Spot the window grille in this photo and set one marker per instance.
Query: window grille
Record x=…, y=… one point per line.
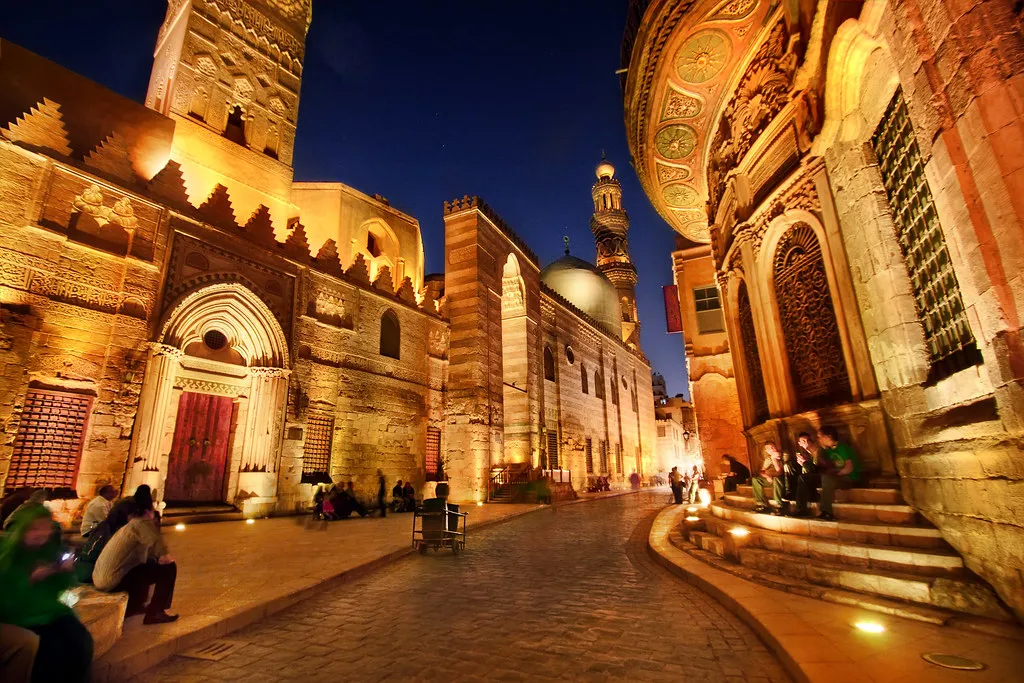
x=589, y=450
x=619, y=464
x=553, y=449
x=604, y=457
x=940, y=308
x=433, y=458
x=751, y=354
x=709, y=310
x=316, y=452
x=48, y=445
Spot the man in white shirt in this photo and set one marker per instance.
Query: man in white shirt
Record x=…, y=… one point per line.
x=98, y=509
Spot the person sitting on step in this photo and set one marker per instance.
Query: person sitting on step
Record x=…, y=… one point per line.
x=771, y=475
x=843, y=469
x=409, y=496
x=735, y=473
x=397, y=497
x=808, y=472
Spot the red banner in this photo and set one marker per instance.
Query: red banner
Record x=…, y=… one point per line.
x=673, y=318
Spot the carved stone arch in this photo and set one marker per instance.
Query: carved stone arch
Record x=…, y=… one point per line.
x=802, y=295
x=206, y=279
x=513, y=290
x=236, y=312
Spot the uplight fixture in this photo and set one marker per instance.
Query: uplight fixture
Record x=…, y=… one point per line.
x=179, y=527
x=870, y=627
x=739, y=531
x=692, y=509
x=479, y=503
x=250, y=521
x=693, y=518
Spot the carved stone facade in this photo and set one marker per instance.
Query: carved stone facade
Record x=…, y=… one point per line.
x=211, y=323
x=864, y=216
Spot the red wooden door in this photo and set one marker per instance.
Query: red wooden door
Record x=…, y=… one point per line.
x=199, y=454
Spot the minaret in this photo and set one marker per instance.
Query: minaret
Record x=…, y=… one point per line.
x=610, y=225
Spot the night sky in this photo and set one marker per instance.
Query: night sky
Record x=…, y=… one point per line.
x=424, y=101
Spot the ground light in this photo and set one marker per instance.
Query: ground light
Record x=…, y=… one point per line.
x=250, y=521
x=693, y=518
x=479, y=503
x=179, y=527
x=692, y=509
x=870, y=627
x=739, y=532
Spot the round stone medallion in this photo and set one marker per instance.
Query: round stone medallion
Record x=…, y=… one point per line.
x=679, y=195
x=675, y=142
x=703, y=56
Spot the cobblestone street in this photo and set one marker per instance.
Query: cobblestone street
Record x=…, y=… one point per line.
x=562, y=594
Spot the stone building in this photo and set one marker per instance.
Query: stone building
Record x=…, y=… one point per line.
x=678, y=443
x=845, y=180
x=177, y=311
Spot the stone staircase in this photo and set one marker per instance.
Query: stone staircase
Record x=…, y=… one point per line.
x=879, y=554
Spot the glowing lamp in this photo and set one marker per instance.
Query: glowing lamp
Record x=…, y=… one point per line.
x=693, y=518
x=479, y=503
x=739, y=532
x=250, y=521
x=179, y=527
x=870, y=627
x=692, y=509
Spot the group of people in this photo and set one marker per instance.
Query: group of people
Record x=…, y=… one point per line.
x=685, y=488
x=793, y=479
x=41, y=639
x=337, y=502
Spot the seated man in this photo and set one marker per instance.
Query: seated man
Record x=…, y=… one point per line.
x=409, y=495
x=353, y=501
x=134, y=559
x=398, y=497
x=98, y=508
x=771, y=474
x=843, y=469
x=735, y=472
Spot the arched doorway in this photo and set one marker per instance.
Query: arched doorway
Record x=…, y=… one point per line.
x=514, y=364
x=813, y=345
x=211, y=413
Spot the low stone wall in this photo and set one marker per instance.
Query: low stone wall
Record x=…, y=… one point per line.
x=103, y=615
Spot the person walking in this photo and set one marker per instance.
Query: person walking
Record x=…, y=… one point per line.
x=675, y=480
x=382, y=488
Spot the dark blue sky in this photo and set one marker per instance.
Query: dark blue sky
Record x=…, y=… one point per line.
x=425, y=101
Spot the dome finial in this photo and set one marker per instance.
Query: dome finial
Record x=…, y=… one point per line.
x=565, y=238
x=605, y=169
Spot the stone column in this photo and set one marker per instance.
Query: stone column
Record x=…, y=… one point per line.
x=261, y=440
x=151, y=418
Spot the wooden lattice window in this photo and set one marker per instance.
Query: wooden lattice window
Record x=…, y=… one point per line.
x=813, y=346
x=603, y=445
x=940, y=308
x=589, y=451
x=553, y=449
x=48, y=446
x=751, y=354
x=620, y=465
x=433, y=459
x=316, y=453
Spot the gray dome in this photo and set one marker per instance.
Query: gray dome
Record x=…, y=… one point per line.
x=586, y=288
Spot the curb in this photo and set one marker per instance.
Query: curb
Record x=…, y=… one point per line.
x=139, y=662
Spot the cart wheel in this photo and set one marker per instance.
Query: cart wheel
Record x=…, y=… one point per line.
x=423, y=548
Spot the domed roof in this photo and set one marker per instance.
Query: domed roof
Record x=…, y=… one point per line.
x=586, y=288
x=605, y=170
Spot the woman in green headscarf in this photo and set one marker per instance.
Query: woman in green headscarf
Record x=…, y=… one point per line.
x=33, y=574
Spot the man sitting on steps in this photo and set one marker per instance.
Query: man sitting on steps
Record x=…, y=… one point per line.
x=843, y=469
x=772, y=474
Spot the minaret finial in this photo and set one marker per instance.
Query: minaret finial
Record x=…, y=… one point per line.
x=603, y=157
x=565, y=238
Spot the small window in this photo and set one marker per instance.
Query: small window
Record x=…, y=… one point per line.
x=549, y=365
x=661, y=431
x=709, y=310
x=373, y=245
x=605, y=466
x=433, y=459
x=620, y=464
x=390, y=335
x=589, y=451
x=584, y=380
x=569, y=355
x=598, y=385
x=235, y=128
x=553, y=449
x=48, y=445
x=316, y=453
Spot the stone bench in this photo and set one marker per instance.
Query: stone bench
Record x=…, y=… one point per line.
x=103, y=614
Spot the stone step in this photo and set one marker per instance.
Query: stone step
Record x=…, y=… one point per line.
x=900, y=535
x=848, y=512
x=870, y=496
x=846, y=553
x=200, y=514
x=963, y=595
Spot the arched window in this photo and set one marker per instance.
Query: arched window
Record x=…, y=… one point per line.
x=809, y=326
x=390, y=335
x=235, y=128
x=585, y=380
x=549, y=364
x=598, y=384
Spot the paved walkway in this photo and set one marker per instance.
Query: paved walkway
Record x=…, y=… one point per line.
x=818, y=640
x=561, y=594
